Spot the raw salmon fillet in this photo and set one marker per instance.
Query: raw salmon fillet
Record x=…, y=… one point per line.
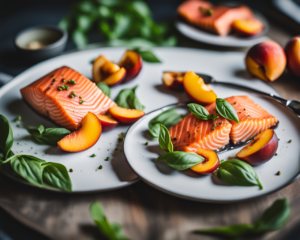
x=219, y=22
x=253, y=119
x=191, y=133
x=67, y=111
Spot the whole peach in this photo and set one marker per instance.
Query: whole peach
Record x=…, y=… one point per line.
x=292, y=50
x=266, y=61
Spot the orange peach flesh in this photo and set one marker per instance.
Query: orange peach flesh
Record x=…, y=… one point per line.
x=116, y=77
x=85, y=137
x=258, y=142
x=210, y=163
x=125, y=115
x=248, y=26
x=197, y=90
x=107, y=122
x=106, y=118
x=97, y=65
x=132, y=62
x=170, y=77
x=109, y=68
x=292, y=51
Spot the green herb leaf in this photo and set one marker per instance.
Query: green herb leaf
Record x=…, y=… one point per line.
x=41, y=129
x=164, y=139
x=147, y=56
x=104, y=88
x=167, y=118
x=239, y=173
x=79, y=38
x=56, y=175
x=6, y=136
x=199, y=111
x=133, y=100
x=274, y=217
x=122, y=24
x=65, y=23
x=84, y=22
x=226, y=110
x=127, y=99
x=141, y=9
x=230, y=231
x=110, y=231
x=181, y=160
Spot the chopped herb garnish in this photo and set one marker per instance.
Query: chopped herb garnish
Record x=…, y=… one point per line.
x=210, y=12
x=244, y=109
x=81, y=102
x=175, y=138
x=72, y=95
x=63, y=87
x=278, y=173
x=290, y=141
x=80, y=97
x=72, y=81
x=48, y=88
x=100, y=167
x=276, y=154
x=278, y=139
x=120, y=140
x=93, y=155
x=215, y=125
x=146, y=143
x=18, y=119
x=107, y=159
x=54, y=80
x=234, y=103
x=63, y=80
x=51, y=75
x=70, y=170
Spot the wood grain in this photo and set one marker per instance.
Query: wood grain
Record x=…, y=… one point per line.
x=144, y=212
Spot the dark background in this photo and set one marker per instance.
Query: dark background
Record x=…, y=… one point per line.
x=16, y=15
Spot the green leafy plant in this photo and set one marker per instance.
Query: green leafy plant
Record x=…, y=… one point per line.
x=32, y=169
x=111, y=231
x=201, y=112
x=239, y=173
x=104, y=88
x=272, y=219
x=226, y=110
x=127, y=99
x=49, y=135
x=167, y=118
x=164, y=139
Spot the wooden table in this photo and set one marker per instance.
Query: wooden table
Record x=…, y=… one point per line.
x=144, y=212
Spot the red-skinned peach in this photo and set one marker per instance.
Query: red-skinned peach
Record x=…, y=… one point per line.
x=107, y=122
x=173, y=80
x=210, y=163
x=125, y=115
x=133, y=63
x=292, y=51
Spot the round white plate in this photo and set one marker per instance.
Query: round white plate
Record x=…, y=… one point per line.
x=209, y=188
x=230, y=40
x=227, y=66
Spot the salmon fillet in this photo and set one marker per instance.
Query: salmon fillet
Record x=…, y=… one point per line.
x=191, y=133
x=253, y=119
x=219, y=22
x=59, y=105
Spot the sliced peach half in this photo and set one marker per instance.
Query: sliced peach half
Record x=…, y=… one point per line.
x=173, y=80
x=261, y=149
x=115, y=78
x=107, y=122
x=210, y=163
x=197, y=90
x=85, y=137
x=97, y=65
x=132, y=62
x=125, y=115
x=248, y=27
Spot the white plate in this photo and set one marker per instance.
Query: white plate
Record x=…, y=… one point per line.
x=187, y=184
x=115, y=174
x=230, y=40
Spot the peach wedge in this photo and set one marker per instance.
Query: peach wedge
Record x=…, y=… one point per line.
x=125, y=115
x=173, y=80
x=132, y=62
x=85, y=137
x=97, y=65
x=107, y=122
x=248, y=27
x=210, y=163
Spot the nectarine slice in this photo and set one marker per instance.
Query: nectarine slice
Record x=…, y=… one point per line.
x=210, y=163
x=125, y=115
x=197, y=90
x=261, y=149
x=107, y=122
x=115, y=78
x=248, y=27
x=85, y=137
x=97, y=65
x=132, y=62
x=173, y=80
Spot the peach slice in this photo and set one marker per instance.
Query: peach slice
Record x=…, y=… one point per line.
x=266, y=61
x=173, y=80
x=133, y=63
x=292, y=51
x=210, y=163
x=125, y=115
x=107, y=122
x=115, y=78
x=97, y=65
x=261, y=149
x=197, y=90
x=85, y=137
x=248, y=27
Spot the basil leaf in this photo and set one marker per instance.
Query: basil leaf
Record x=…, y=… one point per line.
x=274, y=217
x=84, y=22
x=164, y=139
x=133, y=100
x=122, y=24
x=65, y=23
x=127, y=99
x=199, y=111
x=180, y=160
x=56, y=175
x=148, y=56
x=104, y=88
x=226, y=110
x=79, y=38
x=6, y=136
x=110, y=231
x=141, y=9
x=236, y=230
x=167, y=118
x=49, y=135
x=237, y=172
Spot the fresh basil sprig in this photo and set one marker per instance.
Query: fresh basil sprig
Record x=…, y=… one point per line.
x=167, y=118
x=32, y=169
x=272, y=219
x=104, y=88
x=111, y=231
x=164, y=139
x=226, y=110
x=201, y=112
x=239, y=173
x=147, y=55
x=49, y=135
x=127, y=99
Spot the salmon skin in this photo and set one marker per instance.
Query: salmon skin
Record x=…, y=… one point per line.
x=64, y=102
x=192, y=133
x=219, y=22
x=253, y=119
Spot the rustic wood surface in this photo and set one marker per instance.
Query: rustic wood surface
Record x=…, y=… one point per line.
x=144, y=212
